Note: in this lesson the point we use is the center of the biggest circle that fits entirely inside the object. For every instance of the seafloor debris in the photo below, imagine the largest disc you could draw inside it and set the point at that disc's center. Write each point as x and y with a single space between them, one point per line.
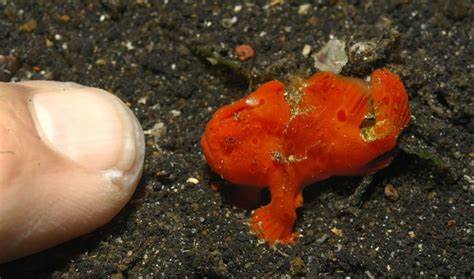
244 52
337 232
366 55
332 57
306 50
391 192
158 130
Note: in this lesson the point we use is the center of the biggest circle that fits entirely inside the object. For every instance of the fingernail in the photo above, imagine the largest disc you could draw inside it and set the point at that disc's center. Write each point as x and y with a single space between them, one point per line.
89 126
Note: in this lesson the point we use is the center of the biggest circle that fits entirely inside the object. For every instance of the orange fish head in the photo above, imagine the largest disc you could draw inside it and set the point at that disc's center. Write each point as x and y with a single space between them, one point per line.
239 139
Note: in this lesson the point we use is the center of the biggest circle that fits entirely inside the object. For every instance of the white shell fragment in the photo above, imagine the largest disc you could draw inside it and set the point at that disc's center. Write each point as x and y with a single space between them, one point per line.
332 57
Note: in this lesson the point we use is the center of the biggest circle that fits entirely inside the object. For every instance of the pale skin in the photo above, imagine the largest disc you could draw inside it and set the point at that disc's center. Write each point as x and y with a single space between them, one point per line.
70 159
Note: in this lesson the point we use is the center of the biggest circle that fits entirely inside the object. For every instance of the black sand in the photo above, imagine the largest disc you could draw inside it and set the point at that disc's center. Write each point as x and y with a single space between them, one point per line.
147 53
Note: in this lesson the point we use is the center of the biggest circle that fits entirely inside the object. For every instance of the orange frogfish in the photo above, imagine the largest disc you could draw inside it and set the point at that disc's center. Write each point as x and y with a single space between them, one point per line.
285 137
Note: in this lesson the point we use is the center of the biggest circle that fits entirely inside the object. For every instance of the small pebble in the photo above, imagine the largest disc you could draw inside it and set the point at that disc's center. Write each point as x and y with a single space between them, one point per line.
276 2
48 43
313 21
306 50
64 18
29 26
192 180
143 100
237 8
100 62
244 52
304 9
129 45
175 113
391 192
337 232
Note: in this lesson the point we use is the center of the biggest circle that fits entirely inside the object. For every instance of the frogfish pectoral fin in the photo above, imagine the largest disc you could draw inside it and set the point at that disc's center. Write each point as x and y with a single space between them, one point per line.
274 222
273 227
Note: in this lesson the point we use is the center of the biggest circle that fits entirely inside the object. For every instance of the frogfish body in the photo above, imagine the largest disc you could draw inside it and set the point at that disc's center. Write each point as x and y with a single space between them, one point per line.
287 137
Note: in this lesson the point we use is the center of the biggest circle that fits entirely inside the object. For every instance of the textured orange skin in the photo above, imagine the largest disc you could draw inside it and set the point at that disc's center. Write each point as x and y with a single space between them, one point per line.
257 141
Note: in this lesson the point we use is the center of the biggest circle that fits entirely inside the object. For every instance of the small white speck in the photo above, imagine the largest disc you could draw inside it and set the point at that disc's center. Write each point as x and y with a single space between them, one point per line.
192 180
238 8
306 50
143 100
304 9
175 113
129 45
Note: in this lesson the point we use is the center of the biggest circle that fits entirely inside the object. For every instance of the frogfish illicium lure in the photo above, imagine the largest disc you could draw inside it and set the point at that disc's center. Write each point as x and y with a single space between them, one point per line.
286 137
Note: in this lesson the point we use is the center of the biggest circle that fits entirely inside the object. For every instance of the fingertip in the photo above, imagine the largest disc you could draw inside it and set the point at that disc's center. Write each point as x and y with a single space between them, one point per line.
91 127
